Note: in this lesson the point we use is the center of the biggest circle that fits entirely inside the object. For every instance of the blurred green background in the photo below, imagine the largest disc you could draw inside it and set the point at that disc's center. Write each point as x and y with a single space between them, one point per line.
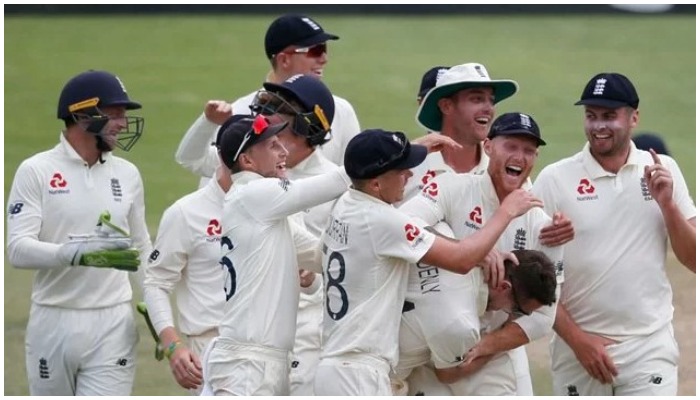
173 64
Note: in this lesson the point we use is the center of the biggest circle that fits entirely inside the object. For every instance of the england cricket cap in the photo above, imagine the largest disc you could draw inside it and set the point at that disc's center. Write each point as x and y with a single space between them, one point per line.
309 91
609 90
226 124
242 134
294 30
429 80
376 151
518 124
459 77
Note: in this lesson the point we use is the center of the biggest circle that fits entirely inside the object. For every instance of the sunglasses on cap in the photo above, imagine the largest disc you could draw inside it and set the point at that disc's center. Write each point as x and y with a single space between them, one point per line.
310 51
259 125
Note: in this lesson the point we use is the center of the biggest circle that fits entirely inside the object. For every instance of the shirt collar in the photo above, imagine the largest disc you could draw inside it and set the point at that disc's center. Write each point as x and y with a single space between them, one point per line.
359 195
313 161
243 177
488 190
595 170
214 190
68 150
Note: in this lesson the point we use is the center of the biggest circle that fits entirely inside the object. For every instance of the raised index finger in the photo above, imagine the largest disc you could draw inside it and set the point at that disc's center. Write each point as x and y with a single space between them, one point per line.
655 156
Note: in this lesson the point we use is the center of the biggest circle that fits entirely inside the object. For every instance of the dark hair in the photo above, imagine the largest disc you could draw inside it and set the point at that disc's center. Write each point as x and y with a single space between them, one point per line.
534 277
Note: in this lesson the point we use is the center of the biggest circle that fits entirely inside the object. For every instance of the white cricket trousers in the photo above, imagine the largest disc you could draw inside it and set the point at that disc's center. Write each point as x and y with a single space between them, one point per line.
197 344
236 369
646 366
81 352
353 375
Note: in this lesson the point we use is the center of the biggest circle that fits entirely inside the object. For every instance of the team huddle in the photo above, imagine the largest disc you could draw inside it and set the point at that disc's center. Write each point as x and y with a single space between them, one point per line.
317 258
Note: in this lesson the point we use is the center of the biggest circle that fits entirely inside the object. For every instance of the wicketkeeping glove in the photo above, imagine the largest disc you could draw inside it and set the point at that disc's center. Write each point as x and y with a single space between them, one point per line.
108 247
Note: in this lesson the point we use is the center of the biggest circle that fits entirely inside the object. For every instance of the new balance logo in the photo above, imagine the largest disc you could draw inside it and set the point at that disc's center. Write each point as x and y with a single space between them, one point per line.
15 208
121 362
656 379
571 390
43 368
154 256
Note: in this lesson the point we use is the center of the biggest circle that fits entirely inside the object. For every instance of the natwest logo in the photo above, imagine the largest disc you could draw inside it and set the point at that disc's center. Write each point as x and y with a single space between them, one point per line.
412 232
431 189
58 184
474 219
586 190
430 174
57 181
475 215
214 228
585 187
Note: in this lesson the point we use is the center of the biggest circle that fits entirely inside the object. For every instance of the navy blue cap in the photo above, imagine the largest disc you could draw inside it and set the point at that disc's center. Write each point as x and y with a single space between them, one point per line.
609 90
294 30
309 91
376 151
242 134
429 80
226 124
648 140
515 123
90 89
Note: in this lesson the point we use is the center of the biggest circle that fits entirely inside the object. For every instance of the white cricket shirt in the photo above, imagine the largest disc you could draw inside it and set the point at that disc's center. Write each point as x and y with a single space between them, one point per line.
185 259
55 194
368 246
616 284
466 202
262 249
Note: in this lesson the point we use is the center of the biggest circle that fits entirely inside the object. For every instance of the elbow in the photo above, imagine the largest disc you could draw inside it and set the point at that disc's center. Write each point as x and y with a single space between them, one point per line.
689 262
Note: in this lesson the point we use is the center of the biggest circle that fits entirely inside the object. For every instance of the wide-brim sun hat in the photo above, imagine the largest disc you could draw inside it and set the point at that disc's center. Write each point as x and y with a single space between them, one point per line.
460 77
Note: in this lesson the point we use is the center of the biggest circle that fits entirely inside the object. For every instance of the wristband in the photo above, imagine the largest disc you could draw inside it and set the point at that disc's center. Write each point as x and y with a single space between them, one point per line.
171 348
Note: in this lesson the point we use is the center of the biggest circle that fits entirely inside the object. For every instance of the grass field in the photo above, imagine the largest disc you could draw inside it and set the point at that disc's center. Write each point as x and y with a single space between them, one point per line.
173 64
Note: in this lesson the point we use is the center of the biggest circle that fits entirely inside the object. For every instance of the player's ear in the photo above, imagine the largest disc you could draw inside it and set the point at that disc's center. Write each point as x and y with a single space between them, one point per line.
505 286
246 161
445 104
488 146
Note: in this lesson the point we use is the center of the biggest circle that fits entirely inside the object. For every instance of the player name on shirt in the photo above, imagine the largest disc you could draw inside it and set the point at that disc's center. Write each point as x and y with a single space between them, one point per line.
338 231
429 278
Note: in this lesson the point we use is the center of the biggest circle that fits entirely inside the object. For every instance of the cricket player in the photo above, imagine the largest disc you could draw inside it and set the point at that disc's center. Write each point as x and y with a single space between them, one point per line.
81 337
262 251
368 246
613 328
512 148
294 44
462 107
295 100
185 258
